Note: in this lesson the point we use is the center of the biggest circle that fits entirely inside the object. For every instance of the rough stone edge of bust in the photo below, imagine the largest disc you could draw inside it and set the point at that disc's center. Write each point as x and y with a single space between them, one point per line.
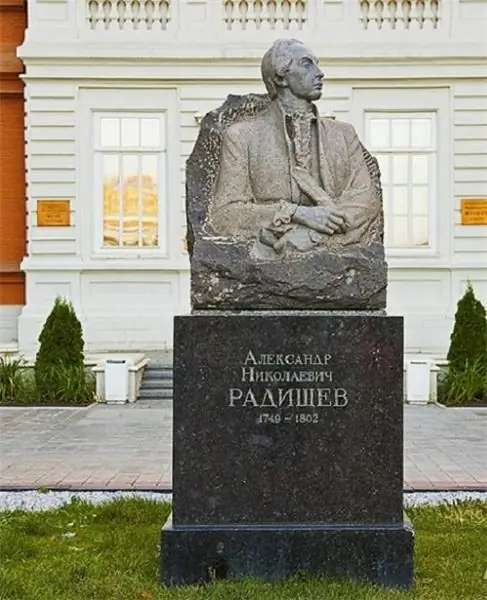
202 165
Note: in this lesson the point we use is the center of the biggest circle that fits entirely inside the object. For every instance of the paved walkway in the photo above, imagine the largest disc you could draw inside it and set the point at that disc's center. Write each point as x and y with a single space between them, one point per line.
129 447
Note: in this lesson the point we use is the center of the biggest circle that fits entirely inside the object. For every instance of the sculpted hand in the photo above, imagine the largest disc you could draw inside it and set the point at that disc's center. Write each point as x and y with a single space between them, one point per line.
324 219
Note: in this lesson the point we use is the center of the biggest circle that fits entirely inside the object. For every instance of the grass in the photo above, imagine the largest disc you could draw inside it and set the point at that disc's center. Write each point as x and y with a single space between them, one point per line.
111 552
62 385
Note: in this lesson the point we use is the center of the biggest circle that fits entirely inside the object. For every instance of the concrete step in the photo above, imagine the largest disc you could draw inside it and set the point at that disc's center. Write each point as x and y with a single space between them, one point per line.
151 384
155 394
157 373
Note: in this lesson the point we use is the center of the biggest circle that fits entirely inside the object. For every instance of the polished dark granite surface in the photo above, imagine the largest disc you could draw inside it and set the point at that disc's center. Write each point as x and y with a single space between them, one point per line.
312 434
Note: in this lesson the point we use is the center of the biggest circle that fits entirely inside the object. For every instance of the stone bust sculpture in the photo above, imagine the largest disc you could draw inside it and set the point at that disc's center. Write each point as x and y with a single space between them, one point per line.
288 178
284 208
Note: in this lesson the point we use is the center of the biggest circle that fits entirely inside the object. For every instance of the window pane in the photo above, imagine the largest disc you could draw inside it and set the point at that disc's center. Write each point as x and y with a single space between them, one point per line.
400 200
421 133
130 194
379 133
149 231
111 236
400 133
130 236
130 133
400 231
150 135
420 169
110 133
400 168
111 178
384 162
149 185
420 200
420 231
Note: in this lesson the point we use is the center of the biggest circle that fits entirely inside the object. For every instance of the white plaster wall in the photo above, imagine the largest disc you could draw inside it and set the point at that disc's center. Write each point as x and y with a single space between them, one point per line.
9 315
129 303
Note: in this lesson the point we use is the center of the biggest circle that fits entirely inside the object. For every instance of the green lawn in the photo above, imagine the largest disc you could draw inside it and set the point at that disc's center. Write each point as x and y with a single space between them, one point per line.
114 555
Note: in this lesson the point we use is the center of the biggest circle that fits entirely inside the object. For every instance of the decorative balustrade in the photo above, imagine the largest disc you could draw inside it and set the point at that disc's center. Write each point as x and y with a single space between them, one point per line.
128 14
265 14
262 15
400 14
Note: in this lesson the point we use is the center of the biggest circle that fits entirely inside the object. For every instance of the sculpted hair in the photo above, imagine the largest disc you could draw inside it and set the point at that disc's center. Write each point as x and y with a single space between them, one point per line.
276 62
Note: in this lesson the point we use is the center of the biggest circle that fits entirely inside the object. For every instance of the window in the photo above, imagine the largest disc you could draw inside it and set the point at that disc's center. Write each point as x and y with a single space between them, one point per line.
130 162
405 147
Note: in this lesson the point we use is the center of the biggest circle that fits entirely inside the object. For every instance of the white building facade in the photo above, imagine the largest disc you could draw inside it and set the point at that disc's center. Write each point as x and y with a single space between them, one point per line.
115 91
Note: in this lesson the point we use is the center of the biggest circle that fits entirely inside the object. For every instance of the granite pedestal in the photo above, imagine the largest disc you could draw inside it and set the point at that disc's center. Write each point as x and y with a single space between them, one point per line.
288 452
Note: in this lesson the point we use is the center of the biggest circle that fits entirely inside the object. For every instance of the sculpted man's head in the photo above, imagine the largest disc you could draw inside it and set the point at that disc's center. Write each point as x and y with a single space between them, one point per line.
289 67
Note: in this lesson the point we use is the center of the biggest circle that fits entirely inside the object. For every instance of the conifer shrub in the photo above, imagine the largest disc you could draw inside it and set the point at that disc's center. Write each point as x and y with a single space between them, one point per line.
60 374
466 380
468 341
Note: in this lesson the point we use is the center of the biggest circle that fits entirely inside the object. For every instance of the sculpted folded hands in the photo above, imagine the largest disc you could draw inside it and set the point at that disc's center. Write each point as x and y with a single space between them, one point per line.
324 219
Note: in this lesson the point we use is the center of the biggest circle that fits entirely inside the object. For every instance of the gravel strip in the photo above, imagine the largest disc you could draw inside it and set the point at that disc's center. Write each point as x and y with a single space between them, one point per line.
435 498
36 501
32 500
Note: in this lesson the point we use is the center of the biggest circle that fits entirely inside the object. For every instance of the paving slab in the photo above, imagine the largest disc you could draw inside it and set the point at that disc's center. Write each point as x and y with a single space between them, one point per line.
130 447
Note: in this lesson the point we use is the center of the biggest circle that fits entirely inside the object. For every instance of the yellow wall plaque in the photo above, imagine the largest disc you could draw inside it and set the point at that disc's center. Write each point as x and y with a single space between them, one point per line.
474 211
53 213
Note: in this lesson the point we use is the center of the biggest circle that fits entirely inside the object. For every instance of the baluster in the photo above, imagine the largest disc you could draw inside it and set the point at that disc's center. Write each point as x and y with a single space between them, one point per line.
121 6
114 15
420 13
243 9
365 12
271 11
414 15
406 13
300 13
379 13
286 14
257 12
165 13
392 14
435 9
430 15
107 9
229 9
128 22
148 14
157 14
136 13
93 7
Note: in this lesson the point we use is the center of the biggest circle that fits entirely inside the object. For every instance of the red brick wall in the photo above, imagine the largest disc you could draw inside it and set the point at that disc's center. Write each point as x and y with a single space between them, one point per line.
12 162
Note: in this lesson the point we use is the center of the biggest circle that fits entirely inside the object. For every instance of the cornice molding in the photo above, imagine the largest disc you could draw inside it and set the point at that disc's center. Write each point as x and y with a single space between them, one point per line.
178 52
13 5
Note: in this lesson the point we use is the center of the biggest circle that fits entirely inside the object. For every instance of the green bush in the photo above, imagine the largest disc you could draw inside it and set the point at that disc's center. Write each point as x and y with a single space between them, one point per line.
468 386
11 382
17 385
468 341
61 384
60 374
61 338
466 379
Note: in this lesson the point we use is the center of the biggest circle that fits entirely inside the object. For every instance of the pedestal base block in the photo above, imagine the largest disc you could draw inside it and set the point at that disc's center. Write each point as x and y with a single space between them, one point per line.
382 554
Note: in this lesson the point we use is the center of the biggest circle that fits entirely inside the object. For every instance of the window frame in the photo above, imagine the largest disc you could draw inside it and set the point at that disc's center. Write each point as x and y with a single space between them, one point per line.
417 96
162 249
432 152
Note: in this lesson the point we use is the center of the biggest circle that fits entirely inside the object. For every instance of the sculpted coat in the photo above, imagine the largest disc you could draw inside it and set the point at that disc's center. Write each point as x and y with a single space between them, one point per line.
258 168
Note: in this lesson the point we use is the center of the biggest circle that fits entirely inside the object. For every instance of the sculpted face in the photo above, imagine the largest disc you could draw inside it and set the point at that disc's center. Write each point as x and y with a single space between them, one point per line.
304 77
